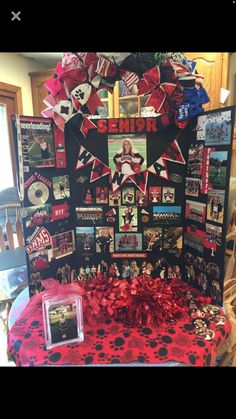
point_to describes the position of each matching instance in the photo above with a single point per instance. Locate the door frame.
(9, 90)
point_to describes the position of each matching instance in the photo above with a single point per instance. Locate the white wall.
(14, 70)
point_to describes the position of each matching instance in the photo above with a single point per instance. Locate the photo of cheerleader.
(128, 219)
(88, 196)
(127, 153)
(218, 168)
(168, 195)
(213, 234)
(114, 198)
(63, 244)
(173, 238)
(36, 284)
(101, 195)
(195, 211)
(152, 239)
(195, 161)
(104, 239)
(128, 242)
(167, 215)
(40, 145)
(218, 131)
(154, 194)
(61, 187)
(128, 195)
(85, 240)
(215, 205)
(141, 199)
(38, 215)
(192, 186)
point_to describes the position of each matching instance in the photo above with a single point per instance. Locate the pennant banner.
(85, 158)
(140, 180)
(99, 170)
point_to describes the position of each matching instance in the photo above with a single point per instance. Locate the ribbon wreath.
(158, 168)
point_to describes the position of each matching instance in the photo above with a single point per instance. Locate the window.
(6, 174)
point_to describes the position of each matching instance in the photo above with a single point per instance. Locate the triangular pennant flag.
(85, 158)
(173, 153)
(159, 169)
(140, 180)
(86, 125)
(82, 93)
(117, 179)
(111, 212)
(99, 170)
(64, 108)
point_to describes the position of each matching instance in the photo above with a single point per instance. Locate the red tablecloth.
(112, 342)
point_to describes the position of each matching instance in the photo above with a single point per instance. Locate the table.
(113, 343)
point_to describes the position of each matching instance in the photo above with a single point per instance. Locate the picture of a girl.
(128, 160)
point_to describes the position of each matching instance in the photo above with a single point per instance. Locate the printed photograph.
(218, 168)
(141, 199)
(200, 264)
(61, 187)
(128, 219)
(104, 239)
(40, 145)
(152, 239)
(88, 197)
(128, 195)
(89, 215)
(115, 198)
(38, 215)
(85, 241)
(101, 195)
(12, 282)
(38, 260)
(194, 238)
(168, 195)
(218, 128)
(167, 215)
(195, 161)
(215, 205)
(128, 242)
(154, 194)
(195, 211)
(127, 154)
(63, 244)
(63, 322)
(214, 234)
(192, 186)
(173, 238)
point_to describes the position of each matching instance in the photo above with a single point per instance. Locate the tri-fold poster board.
(136, 195)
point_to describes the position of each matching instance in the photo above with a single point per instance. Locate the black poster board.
(136, 195)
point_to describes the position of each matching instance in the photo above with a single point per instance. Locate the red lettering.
(124, 125)
(112, 125)
(151, 125)
(140, 124)
(102, 125)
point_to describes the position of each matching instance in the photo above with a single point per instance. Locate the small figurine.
(134, 270)
(82, 273)
(88, 197)
(88, 272)
(125, 269)
(93, 271)
(149, 269)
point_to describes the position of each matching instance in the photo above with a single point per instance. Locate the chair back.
(12, 224)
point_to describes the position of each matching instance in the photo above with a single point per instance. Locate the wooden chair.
(12, 252)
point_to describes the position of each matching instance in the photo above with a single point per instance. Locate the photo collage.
(206, 189)
(48, 230)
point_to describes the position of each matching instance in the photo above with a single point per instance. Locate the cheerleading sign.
(128, 163)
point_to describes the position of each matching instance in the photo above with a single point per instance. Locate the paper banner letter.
(173, 153)
(98, 170)
(140, 180)
(159, 169)
(85, 158)
(117, 179)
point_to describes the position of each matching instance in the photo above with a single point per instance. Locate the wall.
(14, 70)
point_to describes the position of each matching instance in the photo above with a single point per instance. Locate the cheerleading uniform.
(128, 163)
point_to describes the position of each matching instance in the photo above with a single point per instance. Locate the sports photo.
(195, 211)
(167, 215)
(152, 239)
(128, 242)
(128, 195)
(104, 237)
(127, 154)
(195, 161)
(38, 215)
(115, 198)
(218, 128)
(85, 240)
(173, 238)
(128, 219)
(215, 205)
(168, 195)
(192, 186)
(63, 244)
(218, 168)
(61, 187)
(141, 199)
(101, 195)
(38, 260)
(194, 238)
(154, 194)
(39, 143)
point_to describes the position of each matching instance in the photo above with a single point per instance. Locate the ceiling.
(48, 59)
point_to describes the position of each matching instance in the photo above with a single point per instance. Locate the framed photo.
(101, 195)
(128, 195)
(168, 195)
(128, 219)
(63, 321)
(218, 167)
(61, 187)
(154, 194)
(38, 215)
(215, 205)
(114, 198)
(192, 186)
